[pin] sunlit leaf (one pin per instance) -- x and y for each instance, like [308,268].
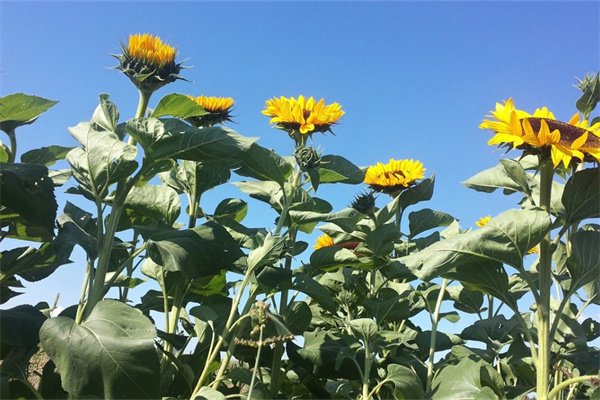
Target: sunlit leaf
[178,105]
[20,109]
[469,379]
[338,169]
[425,219]
[106,116]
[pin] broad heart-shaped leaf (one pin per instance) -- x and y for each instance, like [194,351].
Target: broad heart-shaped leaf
[496,331]
[509,175]
[425,219]
[103,160]
[178,105]
[581,197]
[204,250]
[27,191]
[406,382]
[345,219]
[338,169]
[264,164]
[173,138]
[584,262]
[110,355]
[160,203]
[46,155]
[469,379]
[364,329]
[505,239]
[20,109]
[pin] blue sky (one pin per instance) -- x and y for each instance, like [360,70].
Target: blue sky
[414,78]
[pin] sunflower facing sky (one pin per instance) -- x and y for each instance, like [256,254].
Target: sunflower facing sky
[148,62]
[217,109]
[302,117]
[395,176]
[541,133]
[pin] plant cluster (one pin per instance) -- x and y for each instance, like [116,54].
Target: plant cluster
[239,311]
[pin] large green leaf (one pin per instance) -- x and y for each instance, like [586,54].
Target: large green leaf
[469,379]
[425,219]
[315,290]
[422,191]
[332,257]
[406,382]
[46,155]
[338,169]
[160,203]
[508,175]
[19,326]
[268,253]
[204,250]
[102,161]
[20,109]
[496,331]
[34,264]
[268,191]
[264,164]
[584,262]
[28,191]
[173,138]
[178,105]
[505,239]
[345,219]
[581,197]
[110,355]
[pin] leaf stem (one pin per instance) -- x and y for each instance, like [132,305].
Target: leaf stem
[432,342]
[13,146]
[256,363]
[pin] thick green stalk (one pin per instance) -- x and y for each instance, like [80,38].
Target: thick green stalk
[569,382]
[13,146]
[434,323]
[545,282]
[365,384]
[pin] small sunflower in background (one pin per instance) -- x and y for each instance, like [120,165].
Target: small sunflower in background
[302,117]
[483,222]
[395,176]
[148,62]
[542,134]
[218,110]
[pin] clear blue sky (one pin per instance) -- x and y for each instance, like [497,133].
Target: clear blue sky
[415,78]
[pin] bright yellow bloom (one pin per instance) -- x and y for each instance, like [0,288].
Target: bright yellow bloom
[150,49]
[303,116]
[394,176]
[541,132]
[482,221]
[217,109]
[324,241]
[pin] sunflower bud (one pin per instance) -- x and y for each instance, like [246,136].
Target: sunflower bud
[590,86]
[364,203]
[148,62]
[217,111]
[308,159]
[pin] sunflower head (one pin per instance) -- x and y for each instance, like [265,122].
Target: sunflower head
[543,135]
[395,176]
[148,62]
[302,117]
[308,159]
[217,111]
[323,241]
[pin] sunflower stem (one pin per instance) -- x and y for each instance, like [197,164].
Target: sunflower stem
[545,282]
[435,317]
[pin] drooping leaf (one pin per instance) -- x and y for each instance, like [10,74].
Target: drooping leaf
[332,257]
[235,209]
[29,192]
[381,240]
[268,253]
[102,161]
[196,178]
[21,109]
[505,239]
[34,264]
[315,290]
[298,317]
[425,219]
[466,300]
[268,192]
[110,355]
[581,197]
[175,139]
[178,105]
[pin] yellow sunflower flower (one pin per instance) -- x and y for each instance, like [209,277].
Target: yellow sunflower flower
[482,221]
[541,133]
[217,109]
[395,176]
[302,117]
[148,62]
[323,241]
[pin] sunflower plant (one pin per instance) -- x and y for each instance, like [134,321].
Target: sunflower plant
[230,310]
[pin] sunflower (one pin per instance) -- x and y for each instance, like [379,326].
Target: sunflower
[217,109]
[302,117]
[148,62]
[323,241]
[395,176]
[542,133]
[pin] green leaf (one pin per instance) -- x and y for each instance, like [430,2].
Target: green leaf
[315,290]
[584,262]
[160,203]
[235,209]
[268,253]
[46,155]
[34,264]
[20,109]
[196,178]
[469,379]
[332,257]
[364,329]
[338,169]
[204,250]
[110,355]
[425,219]
[298,317]
[406,382]
[422,191]
[496,331]
[29,192]
[264,164]
[208,393]
[103,160]
[591,94]
[106,115]
[581,197]
[173,138]
[505,239]
[345,219]
[506,175]
[381,240]
[178,105]
[19,326]
[268,191]
[466,300]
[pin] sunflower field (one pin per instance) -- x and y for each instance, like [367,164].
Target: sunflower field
[257,312]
